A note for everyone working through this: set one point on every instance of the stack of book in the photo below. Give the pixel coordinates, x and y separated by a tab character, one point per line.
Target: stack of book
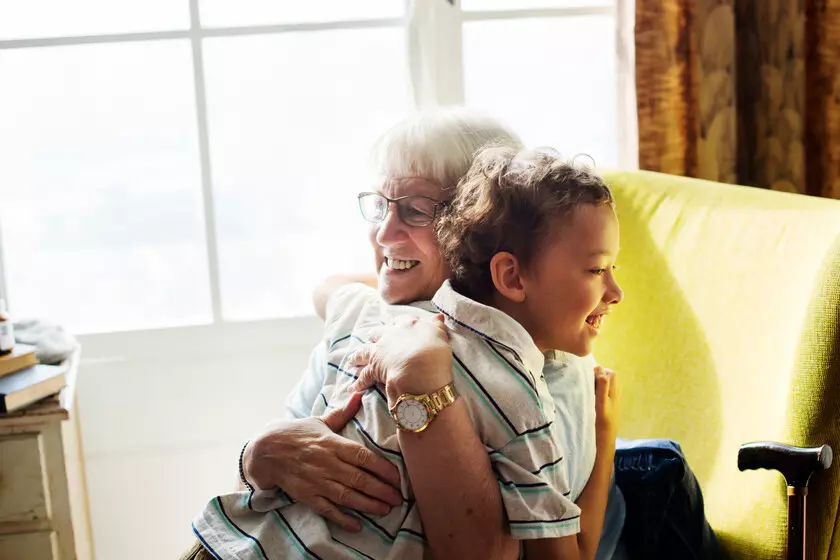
24	381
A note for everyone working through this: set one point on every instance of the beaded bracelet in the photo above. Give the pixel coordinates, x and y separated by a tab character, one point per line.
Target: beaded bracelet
242	469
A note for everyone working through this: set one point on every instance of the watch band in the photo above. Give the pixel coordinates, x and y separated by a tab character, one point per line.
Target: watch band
441	398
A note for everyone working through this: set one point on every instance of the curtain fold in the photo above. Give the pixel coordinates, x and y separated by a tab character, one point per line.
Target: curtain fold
741	91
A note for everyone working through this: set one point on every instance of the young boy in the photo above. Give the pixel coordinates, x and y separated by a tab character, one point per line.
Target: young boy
530	241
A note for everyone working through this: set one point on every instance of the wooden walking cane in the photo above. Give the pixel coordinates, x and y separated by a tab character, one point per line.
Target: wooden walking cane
797	465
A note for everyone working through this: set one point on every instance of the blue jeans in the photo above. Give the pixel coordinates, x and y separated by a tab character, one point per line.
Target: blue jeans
665	517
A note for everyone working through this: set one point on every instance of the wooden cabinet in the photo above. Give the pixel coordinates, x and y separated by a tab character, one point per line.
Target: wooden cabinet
43	494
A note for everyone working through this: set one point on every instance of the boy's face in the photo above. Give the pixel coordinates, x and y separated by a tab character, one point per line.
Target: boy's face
569	286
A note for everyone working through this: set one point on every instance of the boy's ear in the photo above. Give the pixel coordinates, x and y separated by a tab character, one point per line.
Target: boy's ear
506	273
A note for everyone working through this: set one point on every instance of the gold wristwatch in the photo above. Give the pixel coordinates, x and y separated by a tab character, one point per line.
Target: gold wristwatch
414	413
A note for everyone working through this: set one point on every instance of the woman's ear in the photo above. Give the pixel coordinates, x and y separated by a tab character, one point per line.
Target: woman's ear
507	276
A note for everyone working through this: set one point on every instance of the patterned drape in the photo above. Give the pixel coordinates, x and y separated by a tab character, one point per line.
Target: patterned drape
741	91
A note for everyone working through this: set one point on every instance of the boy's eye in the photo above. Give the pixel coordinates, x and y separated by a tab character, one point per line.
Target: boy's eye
601	271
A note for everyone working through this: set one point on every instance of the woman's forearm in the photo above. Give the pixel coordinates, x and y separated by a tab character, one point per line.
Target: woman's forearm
457	492
456	489
593	499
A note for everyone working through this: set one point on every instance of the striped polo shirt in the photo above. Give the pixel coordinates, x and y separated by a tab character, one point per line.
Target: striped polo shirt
497	370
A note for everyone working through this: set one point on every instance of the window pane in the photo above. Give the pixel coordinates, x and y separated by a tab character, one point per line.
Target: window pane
101	200
559	88
220	13
292	120
487	5
27	19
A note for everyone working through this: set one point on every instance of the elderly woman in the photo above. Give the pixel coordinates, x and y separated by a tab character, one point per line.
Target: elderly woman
423	155
454	484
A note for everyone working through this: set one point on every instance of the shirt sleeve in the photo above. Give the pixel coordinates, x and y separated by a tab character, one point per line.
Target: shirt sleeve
302	399
535	487
343	307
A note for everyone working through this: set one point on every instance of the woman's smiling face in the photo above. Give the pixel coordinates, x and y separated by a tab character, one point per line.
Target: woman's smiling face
408	261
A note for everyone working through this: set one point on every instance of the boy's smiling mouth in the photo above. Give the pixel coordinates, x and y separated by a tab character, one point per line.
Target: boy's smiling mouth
595	320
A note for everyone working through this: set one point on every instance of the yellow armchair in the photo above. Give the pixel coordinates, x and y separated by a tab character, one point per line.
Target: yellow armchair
730	333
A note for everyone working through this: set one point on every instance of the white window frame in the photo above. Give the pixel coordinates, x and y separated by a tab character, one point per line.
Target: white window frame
435	55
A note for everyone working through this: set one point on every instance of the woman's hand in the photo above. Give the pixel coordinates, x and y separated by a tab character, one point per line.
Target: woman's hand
411	356
315	466
607	403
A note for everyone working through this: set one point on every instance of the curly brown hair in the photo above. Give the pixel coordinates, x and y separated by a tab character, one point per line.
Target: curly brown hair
509	201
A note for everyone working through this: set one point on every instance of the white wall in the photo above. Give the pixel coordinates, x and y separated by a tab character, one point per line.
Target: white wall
163	418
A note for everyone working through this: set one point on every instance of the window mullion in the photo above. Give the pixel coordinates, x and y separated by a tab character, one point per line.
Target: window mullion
210	231
435	53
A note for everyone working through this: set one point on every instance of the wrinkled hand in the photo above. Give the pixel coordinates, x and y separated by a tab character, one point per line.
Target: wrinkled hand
607	402
410	356
315	466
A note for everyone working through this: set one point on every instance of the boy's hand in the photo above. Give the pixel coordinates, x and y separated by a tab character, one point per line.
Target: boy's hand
607	402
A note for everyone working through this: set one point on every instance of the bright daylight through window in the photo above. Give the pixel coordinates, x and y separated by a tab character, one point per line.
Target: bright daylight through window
171	163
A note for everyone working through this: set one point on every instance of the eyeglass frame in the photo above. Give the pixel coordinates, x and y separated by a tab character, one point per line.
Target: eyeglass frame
395	201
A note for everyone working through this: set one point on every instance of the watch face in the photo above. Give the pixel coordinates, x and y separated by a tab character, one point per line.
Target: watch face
412	415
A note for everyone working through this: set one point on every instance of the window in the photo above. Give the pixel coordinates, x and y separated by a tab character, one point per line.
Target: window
101	198
170	163
556	94
290	117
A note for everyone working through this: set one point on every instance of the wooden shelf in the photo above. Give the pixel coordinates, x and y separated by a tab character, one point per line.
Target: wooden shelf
43	488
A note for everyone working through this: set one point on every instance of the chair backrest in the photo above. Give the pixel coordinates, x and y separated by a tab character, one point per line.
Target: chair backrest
730	333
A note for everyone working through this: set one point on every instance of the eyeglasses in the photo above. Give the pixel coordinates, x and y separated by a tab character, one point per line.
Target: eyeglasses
414	210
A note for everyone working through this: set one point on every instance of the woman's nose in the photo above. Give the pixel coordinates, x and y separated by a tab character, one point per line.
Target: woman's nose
391	228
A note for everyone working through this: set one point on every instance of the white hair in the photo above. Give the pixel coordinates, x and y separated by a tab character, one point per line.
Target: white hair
439	144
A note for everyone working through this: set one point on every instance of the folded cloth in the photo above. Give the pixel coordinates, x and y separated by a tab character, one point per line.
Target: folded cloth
52	343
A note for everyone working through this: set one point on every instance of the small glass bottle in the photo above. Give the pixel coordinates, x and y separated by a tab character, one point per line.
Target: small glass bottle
7	335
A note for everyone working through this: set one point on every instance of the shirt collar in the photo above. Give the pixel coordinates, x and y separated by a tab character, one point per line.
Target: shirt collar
489	323
556	357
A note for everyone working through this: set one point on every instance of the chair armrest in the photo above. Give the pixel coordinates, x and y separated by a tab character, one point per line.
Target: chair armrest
797	464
